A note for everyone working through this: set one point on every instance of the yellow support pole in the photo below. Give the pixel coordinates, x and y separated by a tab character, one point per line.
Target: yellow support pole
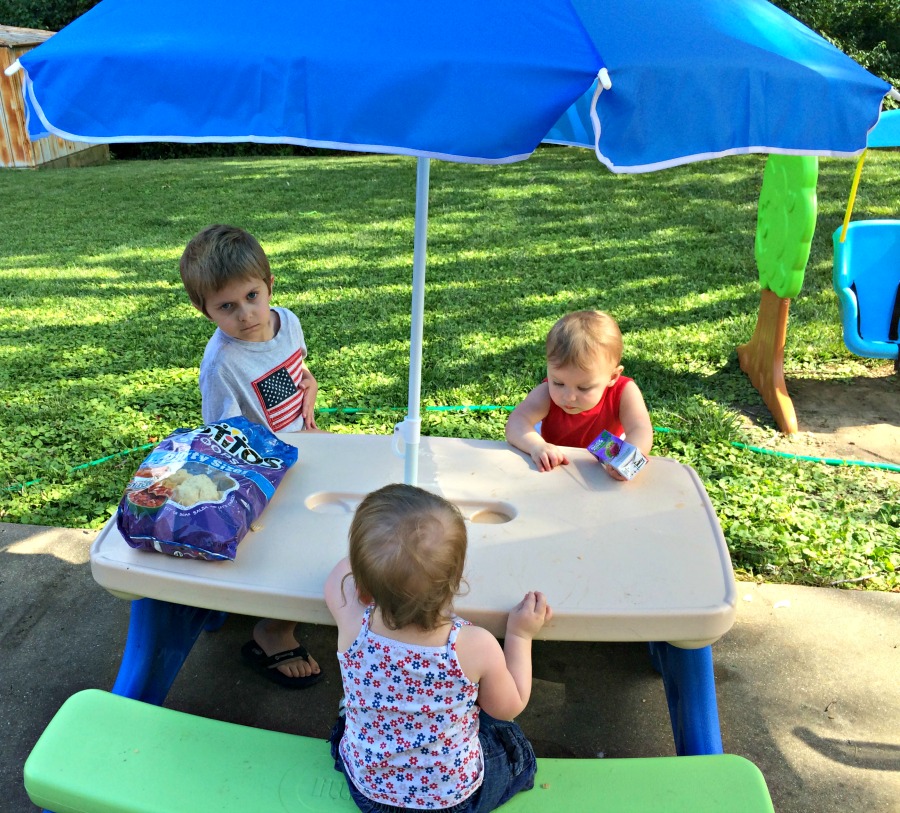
853	188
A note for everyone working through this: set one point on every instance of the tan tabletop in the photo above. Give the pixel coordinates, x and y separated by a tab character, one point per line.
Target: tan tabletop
638	561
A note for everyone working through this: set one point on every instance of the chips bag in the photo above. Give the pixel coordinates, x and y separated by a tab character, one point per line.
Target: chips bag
198	492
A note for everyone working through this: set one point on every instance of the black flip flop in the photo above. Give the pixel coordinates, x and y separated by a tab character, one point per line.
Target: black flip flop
267	665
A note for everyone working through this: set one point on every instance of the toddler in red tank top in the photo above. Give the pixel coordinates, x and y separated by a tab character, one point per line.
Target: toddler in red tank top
583	394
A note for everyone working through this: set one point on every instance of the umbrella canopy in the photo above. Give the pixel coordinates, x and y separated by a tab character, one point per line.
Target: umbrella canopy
475	80
479	80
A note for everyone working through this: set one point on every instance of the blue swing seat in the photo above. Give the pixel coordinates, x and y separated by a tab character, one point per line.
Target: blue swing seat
867	282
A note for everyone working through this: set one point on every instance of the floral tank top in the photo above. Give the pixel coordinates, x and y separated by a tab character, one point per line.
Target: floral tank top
411	736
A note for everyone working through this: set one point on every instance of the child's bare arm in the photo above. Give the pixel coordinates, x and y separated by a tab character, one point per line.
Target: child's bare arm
636	419
335	593
520	431
636	425
342	600
524	622
504	675
310	388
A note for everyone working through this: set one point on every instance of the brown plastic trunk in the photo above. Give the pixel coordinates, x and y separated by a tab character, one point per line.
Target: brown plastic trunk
762	359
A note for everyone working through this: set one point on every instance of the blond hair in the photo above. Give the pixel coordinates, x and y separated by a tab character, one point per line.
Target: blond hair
217	256
580	337
407	553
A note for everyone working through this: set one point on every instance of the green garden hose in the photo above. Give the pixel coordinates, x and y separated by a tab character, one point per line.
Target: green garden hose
828	461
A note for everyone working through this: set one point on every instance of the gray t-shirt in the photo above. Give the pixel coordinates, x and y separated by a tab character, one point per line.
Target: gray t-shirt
255	379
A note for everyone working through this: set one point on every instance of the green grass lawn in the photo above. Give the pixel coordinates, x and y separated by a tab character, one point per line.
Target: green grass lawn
99	347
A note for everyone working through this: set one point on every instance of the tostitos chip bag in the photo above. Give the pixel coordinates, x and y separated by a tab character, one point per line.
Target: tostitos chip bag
198	492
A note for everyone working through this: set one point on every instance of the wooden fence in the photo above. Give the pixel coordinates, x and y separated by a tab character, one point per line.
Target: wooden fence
16	148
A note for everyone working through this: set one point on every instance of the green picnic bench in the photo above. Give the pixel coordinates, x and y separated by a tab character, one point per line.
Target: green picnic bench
102	753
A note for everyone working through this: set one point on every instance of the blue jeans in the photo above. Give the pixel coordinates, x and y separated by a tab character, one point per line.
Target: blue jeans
509	767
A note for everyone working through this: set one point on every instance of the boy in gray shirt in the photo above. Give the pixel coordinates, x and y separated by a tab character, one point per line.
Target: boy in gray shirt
254	365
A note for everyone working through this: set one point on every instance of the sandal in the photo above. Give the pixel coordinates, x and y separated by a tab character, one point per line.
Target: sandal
267	665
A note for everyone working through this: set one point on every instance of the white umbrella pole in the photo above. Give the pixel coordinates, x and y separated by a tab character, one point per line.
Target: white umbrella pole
410	429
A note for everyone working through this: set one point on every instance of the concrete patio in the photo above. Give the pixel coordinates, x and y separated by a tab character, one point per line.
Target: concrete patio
807	680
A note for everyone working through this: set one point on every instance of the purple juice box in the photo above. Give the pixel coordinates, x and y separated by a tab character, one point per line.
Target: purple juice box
618	454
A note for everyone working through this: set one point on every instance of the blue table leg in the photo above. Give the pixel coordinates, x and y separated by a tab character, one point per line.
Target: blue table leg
160	636
215	621
691	695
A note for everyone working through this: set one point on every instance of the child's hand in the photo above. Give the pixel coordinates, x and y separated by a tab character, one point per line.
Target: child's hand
529	615
308	413
310	388
613	473
547	457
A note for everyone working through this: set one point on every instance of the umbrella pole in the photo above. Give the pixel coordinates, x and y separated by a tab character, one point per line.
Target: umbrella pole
410	429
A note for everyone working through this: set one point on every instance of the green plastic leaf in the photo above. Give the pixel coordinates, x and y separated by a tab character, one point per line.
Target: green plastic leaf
786	222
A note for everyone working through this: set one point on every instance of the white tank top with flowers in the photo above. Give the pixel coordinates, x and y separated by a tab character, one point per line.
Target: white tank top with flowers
411	738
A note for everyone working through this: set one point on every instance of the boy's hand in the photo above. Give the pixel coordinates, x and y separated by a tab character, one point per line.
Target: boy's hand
310	388
529	615
547	457
612	472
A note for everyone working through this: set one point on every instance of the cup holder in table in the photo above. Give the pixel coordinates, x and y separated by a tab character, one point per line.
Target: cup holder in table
333	502
487	513
481	512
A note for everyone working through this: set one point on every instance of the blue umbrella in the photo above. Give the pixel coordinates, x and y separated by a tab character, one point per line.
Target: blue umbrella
475	80
478	80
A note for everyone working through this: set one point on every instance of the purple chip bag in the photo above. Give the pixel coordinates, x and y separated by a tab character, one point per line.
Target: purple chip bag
198	492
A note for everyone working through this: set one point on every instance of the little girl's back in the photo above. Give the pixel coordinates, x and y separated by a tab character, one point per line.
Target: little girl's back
411	736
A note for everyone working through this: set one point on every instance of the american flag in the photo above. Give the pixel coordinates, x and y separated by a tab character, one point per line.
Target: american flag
279	392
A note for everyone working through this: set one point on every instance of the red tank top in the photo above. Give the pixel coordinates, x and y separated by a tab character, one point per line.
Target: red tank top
579	430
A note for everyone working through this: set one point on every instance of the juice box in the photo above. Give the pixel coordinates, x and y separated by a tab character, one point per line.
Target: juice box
618	454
